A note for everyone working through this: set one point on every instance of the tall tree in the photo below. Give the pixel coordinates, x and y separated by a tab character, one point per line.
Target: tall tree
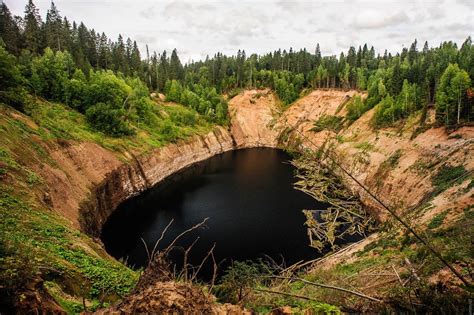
176	68
53	28
9	30
32	32
451	93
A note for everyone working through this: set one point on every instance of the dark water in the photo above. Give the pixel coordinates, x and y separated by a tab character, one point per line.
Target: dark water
248	196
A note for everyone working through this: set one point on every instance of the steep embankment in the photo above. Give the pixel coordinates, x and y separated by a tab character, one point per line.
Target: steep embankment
84	181
144	171
422	172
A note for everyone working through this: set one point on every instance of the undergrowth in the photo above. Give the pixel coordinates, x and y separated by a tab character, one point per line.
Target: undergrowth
36	243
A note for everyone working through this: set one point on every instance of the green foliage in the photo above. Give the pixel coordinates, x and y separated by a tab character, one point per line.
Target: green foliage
451	95
446	177
106	118
11	89
393	159
390	110
437	220
50	74
31	238
287	86
238	280
364	146
204	100
355	108
328	122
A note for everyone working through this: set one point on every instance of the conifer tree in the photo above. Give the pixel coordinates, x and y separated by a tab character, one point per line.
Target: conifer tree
32	31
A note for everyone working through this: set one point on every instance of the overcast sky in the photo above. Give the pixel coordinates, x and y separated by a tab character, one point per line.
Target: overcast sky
197	28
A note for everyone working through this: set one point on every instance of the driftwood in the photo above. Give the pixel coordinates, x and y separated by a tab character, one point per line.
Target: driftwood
345	214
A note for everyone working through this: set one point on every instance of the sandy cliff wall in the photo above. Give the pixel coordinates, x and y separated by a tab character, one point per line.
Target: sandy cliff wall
143	172
87	182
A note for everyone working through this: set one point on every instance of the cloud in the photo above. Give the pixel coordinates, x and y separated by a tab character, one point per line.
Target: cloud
149	12
468	3
203	27
372	19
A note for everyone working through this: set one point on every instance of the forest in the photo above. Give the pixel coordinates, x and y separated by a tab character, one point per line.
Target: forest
110	81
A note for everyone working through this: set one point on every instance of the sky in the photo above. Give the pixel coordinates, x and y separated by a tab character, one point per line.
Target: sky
200	28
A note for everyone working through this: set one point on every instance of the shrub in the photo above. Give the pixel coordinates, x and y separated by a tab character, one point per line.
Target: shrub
108	119
329	122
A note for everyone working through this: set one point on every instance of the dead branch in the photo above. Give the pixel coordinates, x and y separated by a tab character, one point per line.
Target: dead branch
413	271
214	271
202	262
287	294
161	237
147	251
167	250
398	276
185	259
359	294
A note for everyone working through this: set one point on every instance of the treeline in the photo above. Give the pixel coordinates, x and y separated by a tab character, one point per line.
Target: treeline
75	66
397	84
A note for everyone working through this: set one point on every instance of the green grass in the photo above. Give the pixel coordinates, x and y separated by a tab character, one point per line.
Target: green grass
171	123
448	176
34	241
364	146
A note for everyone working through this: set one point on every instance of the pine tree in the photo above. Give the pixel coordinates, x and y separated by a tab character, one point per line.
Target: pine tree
32	32
9	30
135	60
176	68
120	56
53	28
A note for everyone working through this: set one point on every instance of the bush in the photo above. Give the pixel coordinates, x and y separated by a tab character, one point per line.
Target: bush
329	122
355	108
107	119
168	131
239	278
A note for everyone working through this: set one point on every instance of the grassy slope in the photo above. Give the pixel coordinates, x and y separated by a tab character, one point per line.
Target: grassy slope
35	242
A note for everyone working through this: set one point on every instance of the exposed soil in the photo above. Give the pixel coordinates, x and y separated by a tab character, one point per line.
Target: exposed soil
86	182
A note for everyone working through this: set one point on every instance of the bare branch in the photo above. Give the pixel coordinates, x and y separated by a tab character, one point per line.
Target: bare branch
202	262
146	248
185	259
161	237
287	294
327	286
183	233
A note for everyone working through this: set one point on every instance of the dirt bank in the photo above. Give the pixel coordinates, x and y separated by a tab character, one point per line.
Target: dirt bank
84	182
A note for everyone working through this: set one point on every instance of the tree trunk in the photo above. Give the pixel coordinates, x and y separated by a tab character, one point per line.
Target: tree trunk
459	105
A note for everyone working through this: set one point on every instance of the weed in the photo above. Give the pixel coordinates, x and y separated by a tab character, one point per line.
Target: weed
32	177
